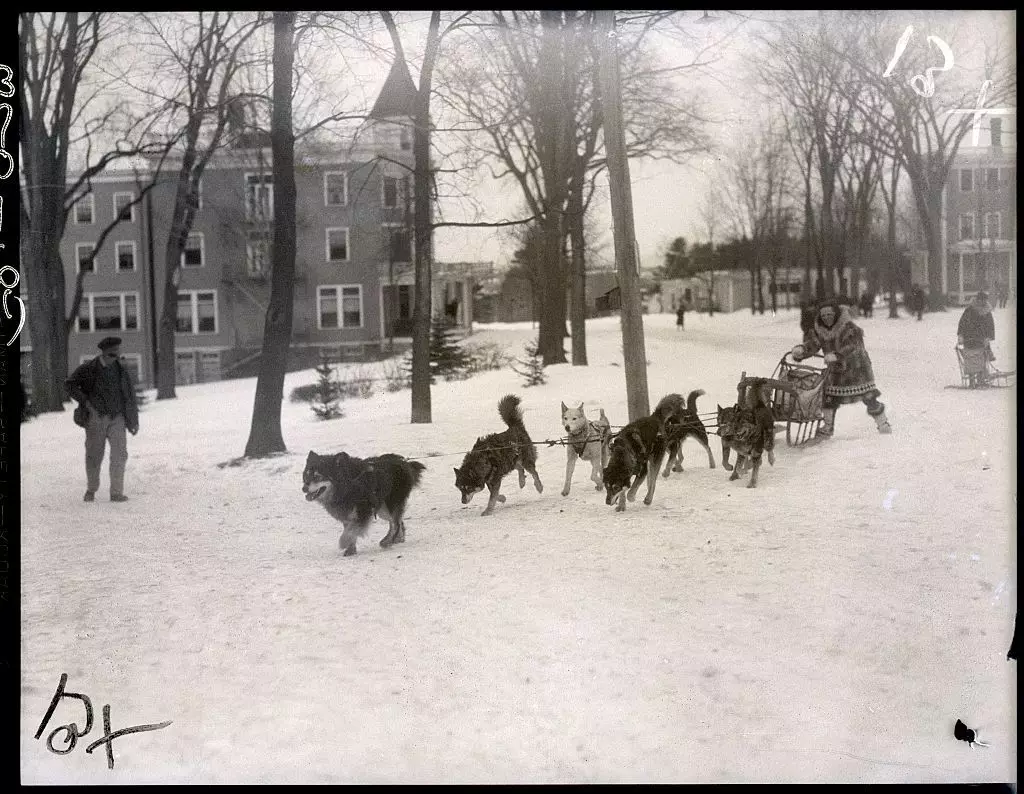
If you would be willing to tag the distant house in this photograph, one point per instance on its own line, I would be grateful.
(515, 301)
(732, 290)
(353, 271)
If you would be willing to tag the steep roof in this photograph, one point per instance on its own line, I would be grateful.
(398, 96)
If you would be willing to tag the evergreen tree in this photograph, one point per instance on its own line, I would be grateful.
(447, 358)
(325, 398)
(533, 366)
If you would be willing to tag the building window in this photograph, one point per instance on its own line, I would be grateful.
(259, 197)
(85, 210)
(257, 253)
(110, 311)
(339, 306)
(337, 245)
(390, 192)
(996, 128)
(197, 199)
(84, 257)
(992, 178)
(993, 226)
(192, 256)
(124, 209)
(124, 256)
(209, 366)
(336, 189)
(398, 244)
(1006, 175)
(405, 138)
(967, 226)
(966, 180)
(197, 312)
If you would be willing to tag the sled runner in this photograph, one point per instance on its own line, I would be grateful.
(977, 364)
(796, 396)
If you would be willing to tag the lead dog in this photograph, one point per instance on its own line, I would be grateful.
(496, 455)
(586, 440)
(680, 421)
(635, 454)
(356, 490)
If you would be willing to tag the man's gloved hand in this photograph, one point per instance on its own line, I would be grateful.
(831, 358)
(797, 352)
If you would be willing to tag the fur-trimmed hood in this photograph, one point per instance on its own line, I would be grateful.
(843, 319)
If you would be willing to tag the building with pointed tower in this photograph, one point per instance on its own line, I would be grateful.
(354, 274)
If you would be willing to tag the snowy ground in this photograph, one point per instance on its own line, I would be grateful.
(830, 625)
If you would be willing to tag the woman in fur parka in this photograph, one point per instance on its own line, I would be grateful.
(850, 378)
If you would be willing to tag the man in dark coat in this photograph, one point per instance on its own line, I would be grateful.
(850, 377)
(107, 408)
(915, 301)
(974, 334)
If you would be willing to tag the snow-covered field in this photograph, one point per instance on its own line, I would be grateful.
(830, 625)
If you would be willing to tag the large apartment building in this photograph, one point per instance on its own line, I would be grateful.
(980, 214)
(353, 285)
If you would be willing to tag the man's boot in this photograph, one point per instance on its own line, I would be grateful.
(882, 422)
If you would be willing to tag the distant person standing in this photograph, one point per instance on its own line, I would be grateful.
(867, 304)
(681, 315)
(107, 408)
(974, 335)
(915, 301)
(1002, 294)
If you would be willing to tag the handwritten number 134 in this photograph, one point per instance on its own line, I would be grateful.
(923, 84)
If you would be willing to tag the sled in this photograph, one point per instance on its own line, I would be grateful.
(797, 392)
(977, 363)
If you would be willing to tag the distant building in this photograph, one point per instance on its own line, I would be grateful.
(730, 290)
(980, 215)
(354, 274)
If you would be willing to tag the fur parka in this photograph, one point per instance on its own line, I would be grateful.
(850, 378)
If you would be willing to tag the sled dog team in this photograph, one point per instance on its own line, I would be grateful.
(355, 491)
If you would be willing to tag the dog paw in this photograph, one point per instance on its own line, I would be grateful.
(350, 551)
(648, 500)
(677, 468)
(726, 466)
(631, 497)
(487, 512)
(565, 492)
(751, 484)
(540, 488)
(599, 487)
(385, 542)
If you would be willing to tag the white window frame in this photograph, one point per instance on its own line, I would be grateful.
(327, 244)
(199, 194)
(344, 176)
(88, 300)
(405, 137)
(988, 227)
(966, 171)
(117, 259)
(266, 236)
(384, 192)
(201, 354)
(92, 210)
(401, 227)
(202, 250)
(131, 210)
(194, 305)
(338, 303)
(264, 184)
(78, 259)
(989, 187)
(960, 226)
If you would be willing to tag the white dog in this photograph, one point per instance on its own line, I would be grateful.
(587, 440)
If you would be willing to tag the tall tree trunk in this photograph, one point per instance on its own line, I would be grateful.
(423, 231)
(578, 288)
(265, 435)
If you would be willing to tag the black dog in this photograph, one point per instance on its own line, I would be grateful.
(636, 452)
(496, 455)
(680, 421)
(356, 490)
(749, 429)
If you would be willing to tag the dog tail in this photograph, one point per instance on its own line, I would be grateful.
(691, 401)
(416, 469)
(511, 413)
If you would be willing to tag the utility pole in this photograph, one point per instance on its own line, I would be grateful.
(631, 315)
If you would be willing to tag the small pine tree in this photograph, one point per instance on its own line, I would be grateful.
(533, 366)
(325, 398)
(447, 358)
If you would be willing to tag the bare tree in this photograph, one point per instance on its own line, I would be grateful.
(203, 56)
(919, 129)
(265, 436)
(55, 52)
